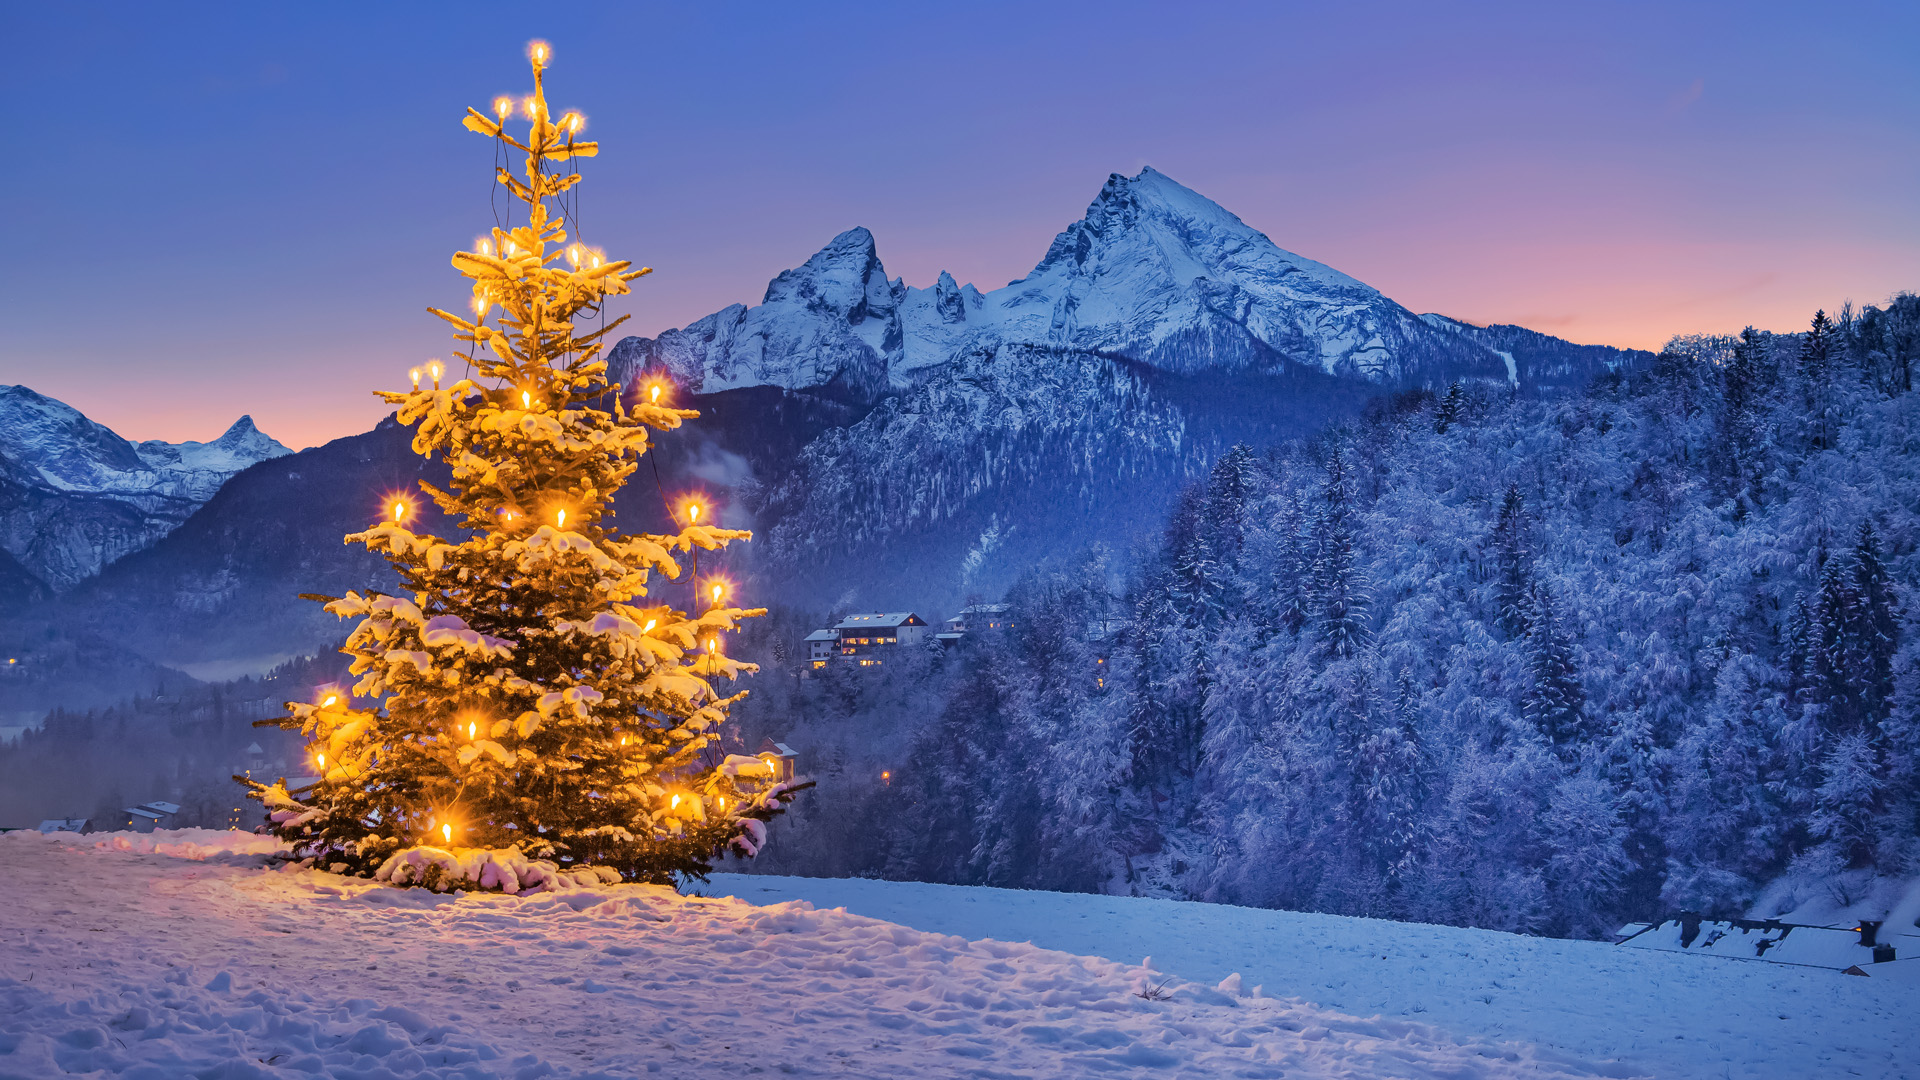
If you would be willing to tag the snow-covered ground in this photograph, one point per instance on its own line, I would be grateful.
(1648, 1013)
(178, 955)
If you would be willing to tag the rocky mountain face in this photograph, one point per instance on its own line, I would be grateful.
(75, 497)
(1155, 274)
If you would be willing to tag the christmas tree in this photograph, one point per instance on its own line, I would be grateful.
(535, 710)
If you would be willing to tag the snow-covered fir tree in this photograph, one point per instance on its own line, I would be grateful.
(532, 703)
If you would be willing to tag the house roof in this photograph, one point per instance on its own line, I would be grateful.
(984, 609)
(63, 825)
(872, 619)
(162, 807)
(143, 812)
(824, 635)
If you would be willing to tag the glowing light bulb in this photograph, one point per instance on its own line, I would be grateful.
(484, 247)
(713, 645)
(399, 510)
(655, 389)
(573, 255)
(503, 107)
(473, 729)
(526, 398)
(574, 122)
(723, 802)
(693, 511)
(446, 833)
(434, 369)
(331, 698)
(562, 517)
(623, 740)
(675, 804)
(415, 376)
(538, 51)
(532, 107)
(509, 515)
(480, 306)
(321, 760)
(593, 262)
(717, 591)
(649, 627)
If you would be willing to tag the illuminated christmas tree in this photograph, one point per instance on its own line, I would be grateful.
(538, 710)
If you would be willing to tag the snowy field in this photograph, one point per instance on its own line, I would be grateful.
(1650, 1013)
(177, 955)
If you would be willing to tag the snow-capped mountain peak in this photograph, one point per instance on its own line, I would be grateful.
(79, 496)
(242, 445)
(1153, 271)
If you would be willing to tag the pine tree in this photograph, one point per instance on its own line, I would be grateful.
(1816, 378)
(535, 705)
(1875, 631)
(1337, 594)
(1513, 564)
(1553, 700)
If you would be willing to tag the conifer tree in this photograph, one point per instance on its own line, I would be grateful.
(1513, 564)
(530, 705)
(1338, 595)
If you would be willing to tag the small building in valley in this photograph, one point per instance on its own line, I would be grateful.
(865, 640)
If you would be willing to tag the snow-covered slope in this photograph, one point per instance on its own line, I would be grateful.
(1154, 273)
(1644, 1013)
(176, 955)
(76, 496)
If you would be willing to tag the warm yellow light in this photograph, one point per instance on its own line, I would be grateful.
(509, 515)
(532, 107)
(446, 833)
(526, 398)
(723, 802)
(623, 740)
(573, 255)
(321, 760)
(473, 729)
(645, 629)
(574, 122)
(713, 644)
(484, 247)
(399, 509)
(718, 591)
(414, 374)
(675, 804)
(480, 306)
(693, 511)
(434, 370)
(562, 517)
(593, 262)
(503, 107)
(538, 51)
(656, 393)
(327, 704)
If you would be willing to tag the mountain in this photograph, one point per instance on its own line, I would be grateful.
(74, 496)
(1154, 273)
(891, 446)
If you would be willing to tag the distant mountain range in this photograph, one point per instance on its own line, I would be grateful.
(75, 497)
(892, 446)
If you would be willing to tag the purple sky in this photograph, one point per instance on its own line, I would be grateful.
(247, 208)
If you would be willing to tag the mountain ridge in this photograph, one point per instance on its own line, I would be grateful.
(75, 496)
(1153, 272)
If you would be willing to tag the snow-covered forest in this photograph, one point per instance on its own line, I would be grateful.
(1527, 664)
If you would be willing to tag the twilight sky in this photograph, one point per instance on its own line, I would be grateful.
(225, 209)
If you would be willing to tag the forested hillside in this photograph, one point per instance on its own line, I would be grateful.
(1476, 658)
